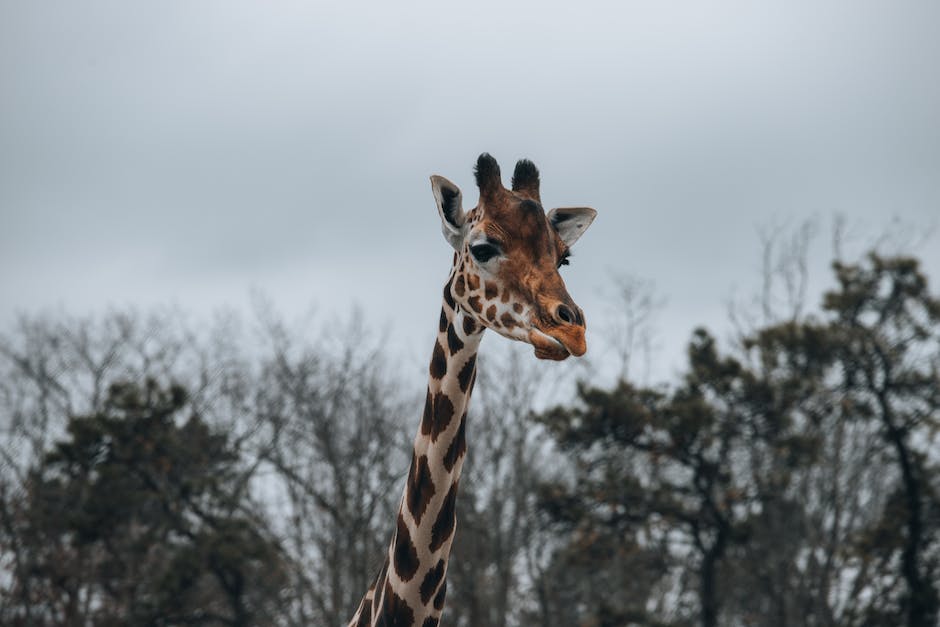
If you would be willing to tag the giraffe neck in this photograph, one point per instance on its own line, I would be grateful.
(410, 587)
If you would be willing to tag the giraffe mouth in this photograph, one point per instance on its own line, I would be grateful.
(548, 347)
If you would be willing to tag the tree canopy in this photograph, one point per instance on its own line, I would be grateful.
(788, 475)
(752, 480)
(134, 518)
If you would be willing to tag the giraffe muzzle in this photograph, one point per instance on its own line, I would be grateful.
(559, 345)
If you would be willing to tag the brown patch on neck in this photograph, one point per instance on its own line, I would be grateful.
(420, 487)
(443, 414)
(439, 597)
(448, 297)
(466, 373)
(431, 581)
(395, 610)
(443, 527)
(469, 326)
(438, 362)
(427, 420)
(458, 445)
(406, 555)
(454, 343)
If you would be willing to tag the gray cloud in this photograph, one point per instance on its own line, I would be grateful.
(188, 151)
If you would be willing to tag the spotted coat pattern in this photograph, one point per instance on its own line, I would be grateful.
(520, 296)
(410, 588)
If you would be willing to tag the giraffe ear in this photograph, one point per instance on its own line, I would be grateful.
(450, 205)
(571, 222)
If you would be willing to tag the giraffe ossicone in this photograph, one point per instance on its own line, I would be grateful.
(505, 277)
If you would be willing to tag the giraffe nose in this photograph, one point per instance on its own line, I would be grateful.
(566, 315)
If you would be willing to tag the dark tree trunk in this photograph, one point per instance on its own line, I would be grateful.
(708, 575)
(923, 603)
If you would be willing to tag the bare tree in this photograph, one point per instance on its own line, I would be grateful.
(630, 331)
(313, 413)
(332, 435)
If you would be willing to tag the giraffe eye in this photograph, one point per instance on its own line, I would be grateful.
(564, 259)
(483, 252)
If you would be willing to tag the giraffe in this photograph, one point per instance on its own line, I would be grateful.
(504, 277)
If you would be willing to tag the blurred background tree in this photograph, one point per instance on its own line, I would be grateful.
(792, 484)
(135, 519)
(788, 476)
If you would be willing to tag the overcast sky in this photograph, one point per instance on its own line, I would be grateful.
(189, 152)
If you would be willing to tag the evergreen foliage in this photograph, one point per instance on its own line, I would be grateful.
(132, 520)
(744, 481)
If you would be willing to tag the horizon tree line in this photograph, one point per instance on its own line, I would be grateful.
(158, 472)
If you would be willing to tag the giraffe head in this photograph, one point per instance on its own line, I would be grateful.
(509, 251)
